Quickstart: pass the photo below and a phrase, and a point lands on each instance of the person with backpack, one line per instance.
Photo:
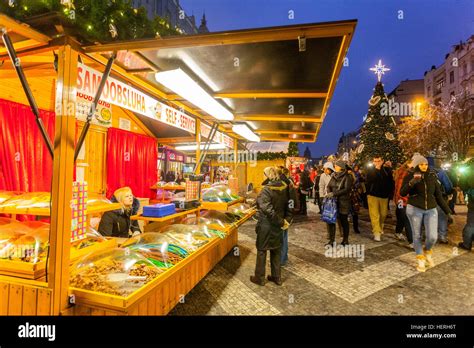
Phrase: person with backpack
(379, 185)
(424, 194)
(340, 187)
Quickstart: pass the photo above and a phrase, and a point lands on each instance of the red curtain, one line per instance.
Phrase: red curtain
(25, 163)
(131, 161)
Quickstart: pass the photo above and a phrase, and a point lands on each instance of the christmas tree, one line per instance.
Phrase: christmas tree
(293, 150)
(379, 136)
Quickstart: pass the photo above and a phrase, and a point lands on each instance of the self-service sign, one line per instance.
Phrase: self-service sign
(120, 94)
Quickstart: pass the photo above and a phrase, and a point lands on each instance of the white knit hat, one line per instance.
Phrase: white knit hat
(418, 159)
(328, 165)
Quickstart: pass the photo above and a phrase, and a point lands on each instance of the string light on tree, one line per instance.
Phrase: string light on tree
(379, 70)
(113, 31)
(69, 4)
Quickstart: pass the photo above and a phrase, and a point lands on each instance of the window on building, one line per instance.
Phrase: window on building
(439, 85)
(464, 69)
(451, 77)
(429, 91)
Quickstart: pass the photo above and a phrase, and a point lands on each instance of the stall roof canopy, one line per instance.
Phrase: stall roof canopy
(261, 75)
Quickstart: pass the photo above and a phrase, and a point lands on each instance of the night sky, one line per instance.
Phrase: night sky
(407, 46)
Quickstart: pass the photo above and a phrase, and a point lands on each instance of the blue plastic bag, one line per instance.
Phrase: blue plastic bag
(329, 213)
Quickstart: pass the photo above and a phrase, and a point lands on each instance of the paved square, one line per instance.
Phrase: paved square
(379, 280)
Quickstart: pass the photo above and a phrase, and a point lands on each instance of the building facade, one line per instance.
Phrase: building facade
(453, 76)
(347, 142)
(406, 99)
(174, 13)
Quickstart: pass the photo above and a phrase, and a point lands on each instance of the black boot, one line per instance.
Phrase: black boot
(332, 236)
(277, 281)
(355, 223)
(257, 281)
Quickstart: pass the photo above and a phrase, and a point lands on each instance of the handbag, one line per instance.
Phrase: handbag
(329, 213)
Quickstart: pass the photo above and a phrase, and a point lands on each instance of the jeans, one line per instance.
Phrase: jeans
(442, 224)
(429, 218)
(275, 256)
(403, 223)
(377, 212)
(284, 248)
(468, 231)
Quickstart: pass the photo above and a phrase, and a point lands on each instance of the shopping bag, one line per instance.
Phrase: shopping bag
(329, 213)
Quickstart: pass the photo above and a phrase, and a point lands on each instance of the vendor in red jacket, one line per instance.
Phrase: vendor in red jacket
(117, 223)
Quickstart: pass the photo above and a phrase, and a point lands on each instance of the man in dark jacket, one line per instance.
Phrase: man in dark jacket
(117, 223)
(379, 185)
(272, 207)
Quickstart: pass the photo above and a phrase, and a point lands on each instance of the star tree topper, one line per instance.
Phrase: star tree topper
(379, 69)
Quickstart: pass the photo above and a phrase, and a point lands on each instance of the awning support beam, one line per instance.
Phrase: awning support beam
(26, 88)
(92, 109)
(212, 133)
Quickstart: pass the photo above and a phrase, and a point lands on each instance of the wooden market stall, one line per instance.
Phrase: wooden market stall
(266, 96)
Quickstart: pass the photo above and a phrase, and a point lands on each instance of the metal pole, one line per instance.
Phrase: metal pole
(105, 76)
(26, 88)
(214, 127)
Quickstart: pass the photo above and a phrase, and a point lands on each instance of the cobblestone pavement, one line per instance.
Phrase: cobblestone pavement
(374, 278)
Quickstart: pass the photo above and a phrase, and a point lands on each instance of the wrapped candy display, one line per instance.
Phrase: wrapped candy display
(117, 272)
(191, 237)
(92, 241)
(240, 209)
(24, 241)
(218, 193)
(219, 217)
(28, 200)
(96, 200)
(5, 195)
(158, 248)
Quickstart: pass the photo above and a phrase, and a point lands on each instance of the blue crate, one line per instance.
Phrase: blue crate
(159, 210)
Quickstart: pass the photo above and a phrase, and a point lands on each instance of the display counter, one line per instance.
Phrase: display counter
(159, 296)
(221, 206)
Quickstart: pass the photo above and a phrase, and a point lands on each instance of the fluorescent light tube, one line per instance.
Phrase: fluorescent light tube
(183, 85)
(244, 131)
(194, 147)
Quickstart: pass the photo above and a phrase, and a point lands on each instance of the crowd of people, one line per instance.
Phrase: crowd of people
(423, 195)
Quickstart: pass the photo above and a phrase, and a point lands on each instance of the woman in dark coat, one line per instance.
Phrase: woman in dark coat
(424, 193)
(117, 223)
(272, 206)
(340, 186)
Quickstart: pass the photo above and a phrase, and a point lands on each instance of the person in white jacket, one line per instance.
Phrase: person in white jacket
(325, 178)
